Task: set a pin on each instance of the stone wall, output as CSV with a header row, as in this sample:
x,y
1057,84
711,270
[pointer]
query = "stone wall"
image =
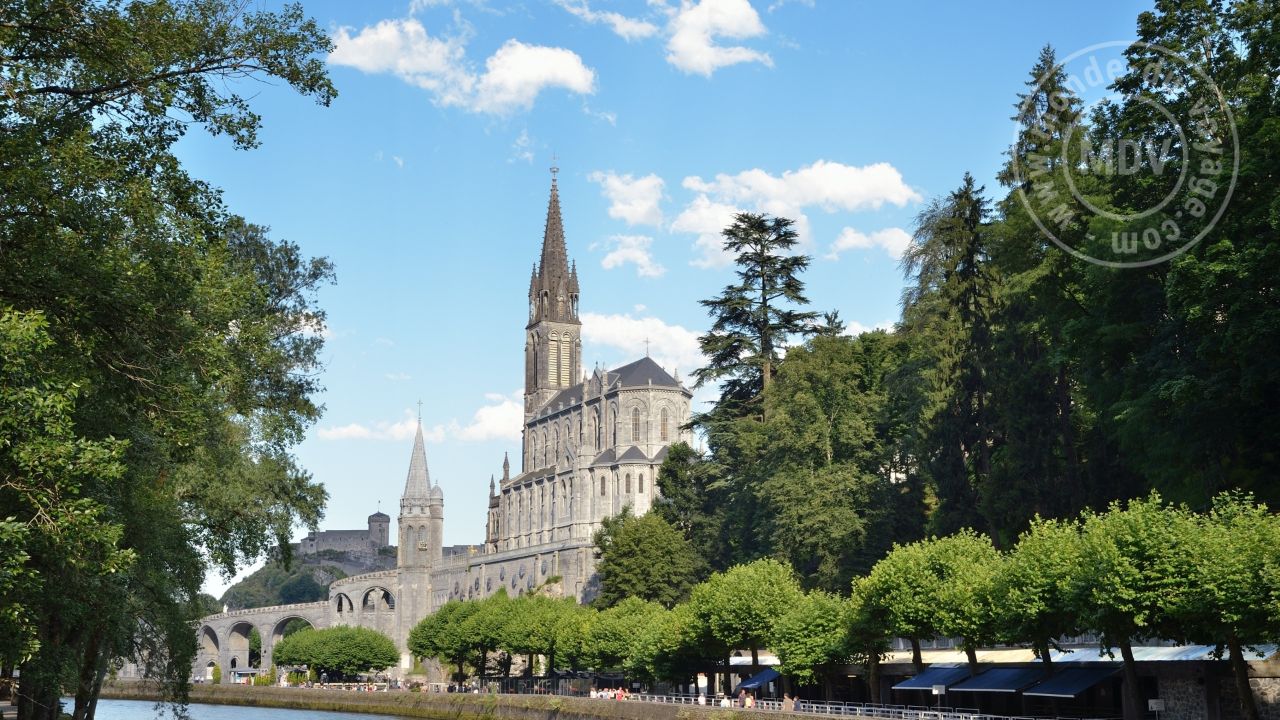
x,y
1266,692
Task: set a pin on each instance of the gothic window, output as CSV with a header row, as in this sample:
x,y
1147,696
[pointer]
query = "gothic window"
x,y
555,457
602,486
566,354
627,487
553,358
635,424
553,502
546,450
664,425
641,482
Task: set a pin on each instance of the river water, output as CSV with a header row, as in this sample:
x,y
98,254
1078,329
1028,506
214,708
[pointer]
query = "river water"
x,y
145,710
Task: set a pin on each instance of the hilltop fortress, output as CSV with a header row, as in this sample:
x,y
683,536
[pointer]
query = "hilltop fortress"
x,y
592,444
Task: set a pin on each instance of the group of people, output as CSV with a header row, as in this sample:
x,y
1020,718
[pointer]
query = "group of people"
x,y
619,693
747,700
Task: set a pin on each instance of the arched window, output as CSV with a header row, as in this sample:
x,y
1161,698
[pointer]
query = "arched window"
x,y
635,424
664,425
546,449
553,358
566,358
641,482
603,490
555,457
627,486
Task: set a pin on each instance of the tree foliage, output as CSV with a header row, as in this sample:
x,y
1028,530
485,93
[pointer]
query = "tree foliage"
x,y
339,651
643,558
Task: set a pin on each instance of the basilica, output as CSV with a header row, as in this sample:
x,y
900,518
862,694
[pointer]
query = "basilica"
x,y
592,445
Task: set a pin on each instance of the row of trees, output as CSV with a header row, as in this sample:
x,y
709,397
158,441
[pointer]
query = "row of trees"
x,y
158,355
1019,381
1139,571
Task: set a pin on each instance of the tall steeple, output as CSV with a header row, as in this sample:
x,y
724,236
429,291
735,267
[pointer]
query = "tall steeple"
x,y
553,343
418,483
421,522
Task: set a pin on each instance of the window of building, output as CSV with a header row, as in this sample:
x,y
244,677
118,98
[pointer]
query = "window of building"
x,y
627,486
602,486
664,425
553,358
566,358
635,424
641,482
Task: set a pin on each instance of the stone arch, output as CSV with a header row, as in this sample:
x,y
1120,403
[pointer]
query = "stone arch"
x,y
238,644
377,599
277,631
344,603
209,644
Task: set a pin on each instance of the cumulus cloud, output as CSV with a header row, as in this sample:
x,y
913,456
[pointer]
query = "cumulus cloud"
x,y
855,328
706,219
402,429
512,79
893,240
634,249
693,29
635,200
829,185
671,346
522,148
501,419
398,377
627,28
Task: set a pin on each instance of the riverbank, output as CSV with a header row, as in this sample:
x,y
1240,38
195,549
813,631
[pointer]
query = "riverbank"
x,y
432,706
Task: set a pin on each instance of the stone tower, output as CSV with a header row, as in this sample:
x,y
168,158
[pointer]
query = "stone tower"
x,y
553,337
421,513
380,529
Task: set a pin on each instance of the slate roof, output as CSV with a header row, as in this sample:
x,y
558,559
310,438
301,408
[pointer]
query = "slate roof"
x,y
634,454
641,372
418,483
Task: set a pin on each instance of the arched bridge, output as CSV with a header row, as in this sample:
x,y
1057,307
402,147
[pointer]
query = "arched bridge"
x,y
224,638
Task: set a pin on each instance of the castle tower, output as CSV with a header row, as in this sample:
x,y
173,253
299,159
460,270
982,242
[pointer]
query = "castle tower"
x,y
553,337
421,512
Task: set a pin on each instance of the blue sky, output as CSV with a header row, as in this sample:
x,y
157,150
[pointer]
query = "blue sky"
x,y
426,183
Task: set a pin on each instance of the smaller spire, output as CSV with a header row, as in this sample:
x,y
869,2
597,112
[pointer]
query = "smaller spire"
x,y
490,485
418,483
506,467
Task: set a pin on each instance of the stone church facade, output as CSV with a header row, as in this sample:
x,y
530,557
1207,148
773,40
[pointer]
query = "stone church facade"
x,y
592,445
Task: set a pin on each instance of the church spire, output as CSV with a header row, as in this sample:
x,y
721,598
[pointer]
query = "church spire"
x,y
418,483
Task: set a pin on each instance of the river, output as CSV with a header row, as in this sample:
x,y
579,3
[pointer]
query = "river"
x,y
145,709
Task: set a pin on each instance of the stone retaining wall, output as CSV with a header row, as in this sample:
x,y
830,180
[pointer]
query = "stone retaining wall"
x,y
435,706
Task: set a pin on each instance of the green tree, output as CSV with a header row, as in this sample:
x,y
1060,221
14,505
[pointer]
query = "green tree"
x,y
740,607
614,631
949,302
966,565
811,634
688,502
443,635
898,593
1129,577
485,629
182,337
339,651
644,558
1035,584
1228,562
753,318
826,439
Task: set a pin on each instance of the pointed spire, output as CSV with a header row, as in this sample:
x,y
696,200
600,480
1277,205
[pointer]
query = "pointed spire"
x,y
418,483
506,467
491,486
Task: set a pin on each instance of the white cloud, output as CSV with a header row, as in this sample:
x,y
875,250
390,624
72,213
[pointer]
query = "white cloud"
x,y
398,160
627,28
632,249
501,419
640,307
385,342
517,72
314,327
402,429
522,148
398,377
829,185
706,219
671,346
853,327
893,240
512,79
693,29
638,201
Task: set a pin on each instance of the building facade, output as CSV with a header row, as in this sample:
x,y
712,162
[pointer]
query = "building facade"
x,y
591,445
